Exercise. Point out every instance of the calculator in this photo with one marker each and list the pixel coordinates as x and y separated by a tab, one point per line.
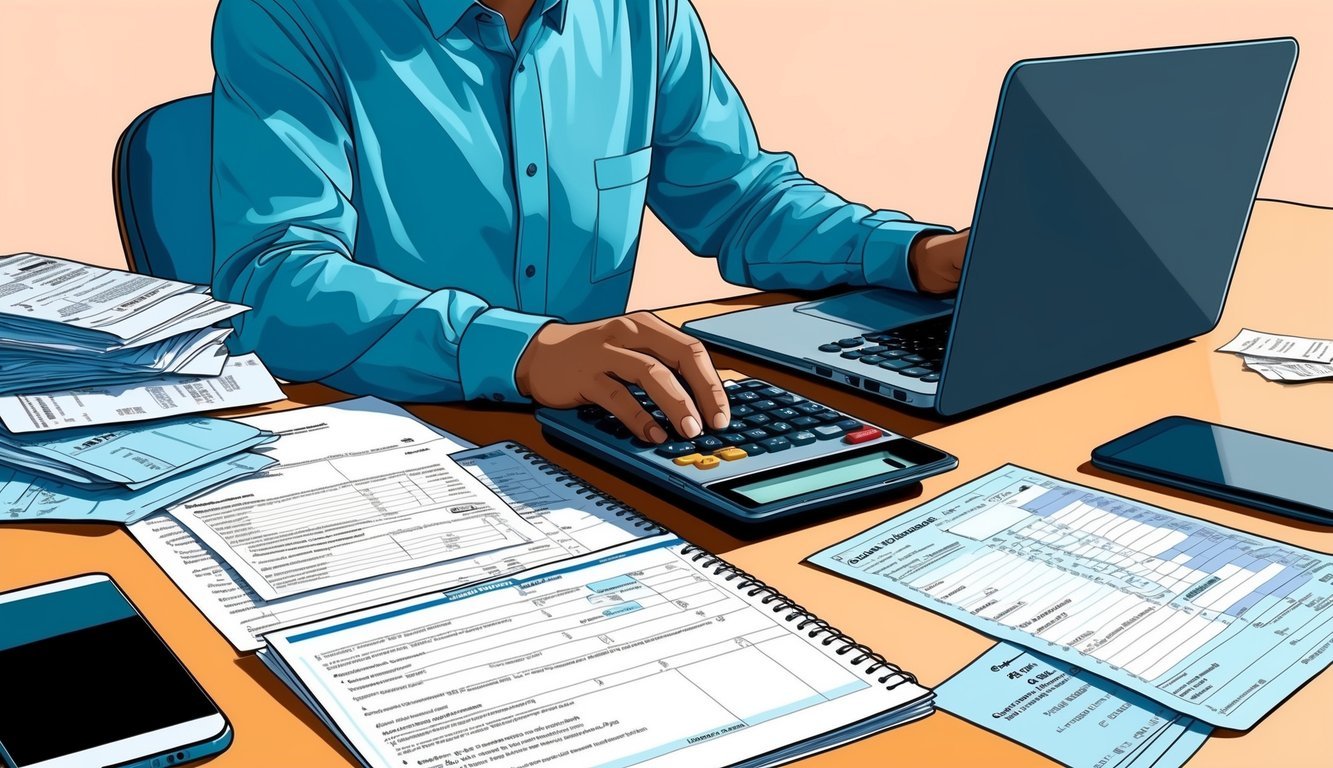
782	455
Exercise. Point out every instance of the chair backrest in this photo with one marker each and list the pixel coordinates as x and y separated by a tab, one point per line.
162	182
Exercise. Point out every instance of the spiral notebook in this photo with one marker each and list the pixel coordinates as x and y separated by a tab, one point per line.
649	652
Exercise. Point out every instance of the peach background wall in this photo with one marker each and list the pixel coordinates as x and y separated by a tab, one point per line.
887	102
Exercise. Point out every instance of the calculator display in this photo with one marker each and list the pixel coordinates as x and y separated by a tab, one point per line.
803	481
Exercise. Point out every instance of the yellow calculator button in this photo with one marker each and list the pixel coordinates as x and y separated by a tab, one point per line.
688	459
707	462
730	454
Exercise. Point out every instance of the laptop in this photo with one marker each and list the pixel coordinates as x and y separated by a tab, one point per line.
1113	202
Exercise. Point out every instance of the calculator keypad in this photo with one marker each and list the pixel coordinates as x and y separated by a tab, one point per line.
765	419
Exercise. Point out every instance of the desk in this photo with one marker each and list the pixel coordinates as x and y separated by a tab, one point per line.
1282	285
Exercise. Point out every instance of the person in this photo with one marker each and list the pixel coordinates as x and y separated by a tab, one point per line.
440	200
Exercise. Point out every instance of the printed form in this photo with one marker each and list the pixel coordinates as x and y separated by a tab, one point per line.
570	524
645	655
1212	622
244	381
361	489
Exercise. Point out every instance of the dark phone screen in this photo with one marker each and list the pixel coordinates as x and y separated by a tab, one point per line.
1250	463
110	679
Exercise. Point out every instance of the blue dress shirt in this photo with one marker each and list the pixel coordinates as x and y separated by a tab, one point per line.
405	196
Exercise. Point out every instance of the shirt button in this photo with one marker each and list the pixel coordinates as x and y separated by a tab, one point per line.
521	67
532	169
531	271
483	17
499	398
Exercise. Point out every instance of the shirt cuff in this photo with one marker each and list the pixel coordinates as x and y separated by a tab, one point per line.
489	352
884	257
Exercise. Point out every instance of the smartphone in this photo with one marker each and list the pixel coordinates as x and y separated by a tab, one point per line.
1266	473
85	681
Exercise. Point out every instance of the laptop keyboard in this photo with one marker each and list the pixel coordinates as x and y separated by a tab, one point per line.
914	350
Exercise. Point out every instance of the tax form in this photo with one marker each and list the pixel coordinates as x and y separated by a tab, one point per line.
243	381
1068	714
361	489
1212	622
647	654
571	523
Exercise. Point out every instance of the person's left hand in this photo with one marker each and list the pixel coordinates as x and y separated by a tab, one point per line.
936	261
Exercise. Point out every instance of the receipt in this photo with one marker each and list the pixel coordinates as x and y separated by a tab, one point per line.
1272	345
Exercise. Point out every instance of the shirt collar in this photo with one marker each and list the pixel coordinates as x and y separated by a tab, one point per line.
444	15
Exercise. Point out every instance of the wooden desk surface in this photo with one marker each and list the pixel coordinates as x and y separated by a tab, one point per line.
1282	285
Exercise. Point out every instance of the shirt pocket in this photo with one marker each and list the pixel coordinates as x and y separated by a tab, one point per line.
622	188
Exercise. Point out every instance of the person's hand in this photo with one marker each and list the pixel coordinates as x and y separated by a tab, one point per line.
936	261
593	363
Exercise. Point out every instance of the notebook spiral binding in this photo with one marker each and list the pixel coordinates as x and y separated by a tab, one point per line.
599	497
752	586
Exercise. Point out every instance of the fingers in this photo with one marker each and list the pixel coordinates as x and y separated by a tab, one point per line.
687	356
660	384
615	398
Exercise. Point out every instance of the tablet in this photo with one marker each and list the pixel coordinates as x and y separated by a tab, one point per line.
87	682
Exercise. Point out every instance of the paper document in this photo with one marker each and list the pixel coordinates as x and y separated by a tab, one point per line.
1274	369
361	489
134	457
570	524
1067	714
244	381
1273	345
34	498
649	654
1215	623
48	300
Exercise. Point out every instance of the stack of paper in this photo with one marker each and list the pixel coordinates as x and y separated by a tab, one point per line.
65	325
124	474
1283	358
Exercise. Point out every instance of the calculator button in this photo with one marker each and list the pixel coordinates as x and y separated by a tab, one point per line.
829	348
757	420
672	450
779	428
827	432
849	425
736	425
737	411
808	408
862	435
872	359
853	354
805	422
786	414
914	359
590	413
932	378
786	398
845	343
744	396
775	444
637	391
829	416
753	384
613	426
731	454
658	414
893	353
687	459
755	434
877	349
763	405
708	443
801	438
733	438
754	449
915	371
770	391
707	462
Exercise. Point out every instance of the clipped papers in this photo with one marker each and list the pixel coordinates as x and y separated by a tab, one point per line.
243	382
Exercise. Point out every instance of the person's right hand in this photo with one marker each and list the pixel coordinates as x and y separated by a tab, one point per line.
566	365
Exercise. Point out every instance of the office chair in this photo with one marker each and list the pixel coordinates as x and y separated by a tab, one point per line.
162	186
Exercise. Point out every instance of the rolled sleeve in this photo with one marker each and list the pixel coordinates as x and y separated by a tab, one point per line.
490	350
884	257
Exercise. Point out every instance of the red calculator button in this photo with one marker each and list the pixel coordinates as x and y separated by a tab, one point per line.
862	435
